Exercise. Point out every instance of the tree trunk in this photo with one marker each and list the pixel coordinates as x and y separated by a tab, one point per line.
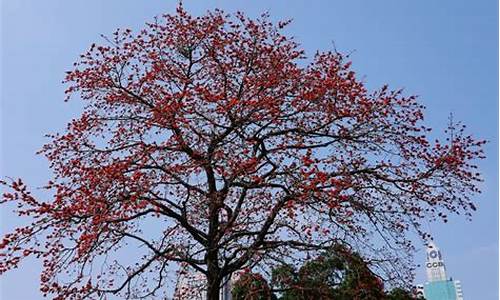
214	277
213	286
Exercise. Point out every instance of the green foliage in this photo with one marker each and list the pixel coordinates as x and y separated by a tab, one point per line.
337	274
252	286
334	275
401	294
358	281
310	282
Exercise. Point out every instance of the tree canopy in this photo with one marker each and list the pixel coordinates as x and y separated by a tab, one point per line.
214	141
335	274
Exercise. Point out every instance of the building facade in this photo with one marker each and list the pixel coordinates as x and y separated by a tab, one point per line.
438	285
192	285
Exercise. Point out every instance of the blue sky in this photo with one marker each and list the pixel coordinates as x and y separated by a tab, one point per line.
444	51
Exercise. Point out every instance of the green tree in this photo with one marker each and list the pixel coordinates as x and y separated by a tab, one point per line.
333	275
252	286
336	274
401	294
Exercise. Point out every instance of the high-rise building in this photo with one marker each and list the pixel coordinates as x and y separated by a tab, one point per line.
192	285
438	286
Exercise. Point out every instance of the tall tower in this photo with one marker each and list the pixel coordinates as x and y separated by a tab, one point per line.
436	270
438	286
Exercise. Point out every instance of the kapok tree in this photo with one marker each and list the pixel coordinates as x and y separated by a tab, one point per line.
215	143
